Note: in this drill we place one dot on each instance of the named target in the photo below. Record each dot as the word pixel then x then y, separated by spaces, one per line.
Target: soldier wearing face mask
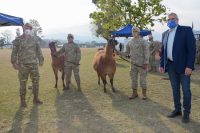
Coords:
pixel 138 49
pixel 25 57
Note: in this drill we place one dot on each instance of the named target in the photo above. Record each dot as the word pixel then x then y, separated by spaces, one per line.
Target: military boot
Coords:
pixel 154 69
pixel 66 87
pixel 134 94
pixel 23 101
pixel 79 86
pixel 144 92
pixel 36 100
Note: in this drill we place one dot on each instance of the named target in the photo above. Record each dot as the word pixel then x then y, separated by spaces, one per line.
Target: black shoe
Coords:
pixel 174 114
pixel 186 118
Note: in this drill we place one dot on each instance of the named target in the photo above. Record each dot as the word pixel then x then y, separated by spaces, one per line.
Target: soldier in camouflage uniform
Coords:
pixel 139 53
pixel 72 58
pixel 157 57
pixel 198 50
pixel 26 54
pixel 154 47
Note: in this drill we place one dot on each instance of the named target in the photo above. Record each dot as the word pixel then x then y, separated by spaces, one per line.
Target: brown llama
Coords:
pixel 57 63
pixel 104 63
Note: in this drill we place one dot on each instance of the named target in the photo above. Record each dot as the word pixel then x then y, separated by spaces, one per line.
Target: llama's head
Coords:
pixel 112 43
pixel 52 46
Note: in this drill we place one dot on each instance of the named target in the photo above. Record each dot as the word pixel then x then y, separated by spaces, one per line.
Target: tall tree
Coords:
pixel 18 33
pixel 113 14
pixel 2 42
pixel 107 18
pixel 7 34
pixel 37 29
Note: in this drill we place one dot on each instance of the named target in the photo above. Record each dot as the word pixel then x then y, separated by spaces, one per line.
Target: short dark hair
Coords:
pixel 70 35
pixel 172 13
pixel 28 25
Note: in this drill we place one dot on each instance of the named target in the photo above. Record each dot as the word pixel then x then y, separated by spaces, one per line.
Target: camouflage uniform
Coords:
pixel 198 51
pixel 154 47
pixel 139 51
pixel 27 53
pixel 72 58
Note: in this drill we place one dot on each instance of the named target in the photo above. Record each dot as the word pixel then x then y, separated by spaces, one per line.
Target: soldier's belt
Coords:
pixel 73 62
pixel 129 61
pixel 136 65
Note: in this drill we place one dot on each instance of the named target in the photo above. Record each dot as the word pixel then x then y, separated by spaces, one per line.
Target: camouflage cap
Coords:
pixel 135 29
pixel 28 25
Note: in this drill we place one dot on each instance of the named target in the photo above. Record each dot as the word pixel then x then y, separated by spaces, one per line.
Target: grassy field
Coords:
pixel 91 111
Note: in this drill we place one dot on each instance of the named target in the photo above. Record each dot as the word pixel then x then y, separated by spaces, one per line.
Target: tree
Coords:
pixel 143 13
pixel 107 18
pixel 113 14
pixel 7 34
pixel 18 33
pixel 37 29
pixel 2 42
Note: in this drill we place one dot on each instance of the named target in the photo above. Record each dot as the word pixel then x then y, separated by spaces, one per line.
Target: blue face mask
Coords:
pixel 171 24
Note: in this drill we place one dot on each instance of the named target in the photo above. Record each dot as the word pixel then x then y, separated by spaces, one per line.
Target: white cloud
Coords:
pixel 50 14
pixel 58 15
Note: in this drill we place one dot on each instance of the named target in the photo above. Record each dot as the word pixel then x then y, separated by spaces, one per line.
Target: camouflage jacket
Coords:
pixel 72 53
pixel 139 51
pixel 198 46
pixel 154 47
pixel 26 51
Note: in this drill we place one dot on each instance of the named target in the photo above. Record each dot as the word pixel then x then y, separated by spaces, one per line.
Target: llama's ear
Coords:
pixel 109 41
pixel 116 42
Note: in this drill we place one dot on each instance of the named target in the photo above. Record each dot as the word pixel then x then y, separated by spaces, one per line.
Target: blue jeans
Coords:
pixel 176 80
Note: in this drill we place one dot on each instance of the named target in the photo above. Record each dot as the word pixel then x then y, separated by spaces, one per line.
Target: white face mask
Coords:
pixel 28 32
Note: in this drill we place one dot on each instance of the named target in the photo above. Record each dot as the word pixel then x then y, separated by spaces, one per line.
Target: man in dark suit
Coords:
pixel 177 58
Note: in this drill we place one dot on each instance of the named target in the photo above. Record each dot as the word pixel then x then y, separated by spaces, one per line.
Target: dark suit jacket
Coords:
pixel 184 49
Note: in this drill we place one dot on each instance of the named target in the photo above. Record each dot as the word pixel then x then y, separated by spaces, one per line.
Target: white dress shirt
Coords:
pixel 170 43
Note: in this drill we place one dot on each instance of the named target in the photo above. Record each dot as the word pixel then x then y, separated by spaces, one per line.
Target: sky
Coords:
pixel 58 17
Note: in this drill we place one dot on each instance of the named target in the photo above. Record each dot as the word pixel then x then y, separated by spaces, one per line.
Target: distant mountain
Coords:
pixel 82 33
pixel 77 38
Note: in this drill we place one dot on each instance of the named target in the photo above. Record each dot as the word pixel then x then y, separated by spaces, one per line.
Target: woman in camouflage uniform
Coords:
pixel 139 54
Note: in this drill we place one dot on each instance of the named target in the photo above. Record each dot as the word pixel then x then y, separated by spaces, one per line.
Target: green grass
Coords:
pixel 92 110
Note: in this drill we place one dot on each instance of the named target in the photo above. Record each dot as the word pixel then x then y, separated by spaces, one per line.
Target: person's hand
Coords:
pixel 144 66
pixel 41 63
pixel 54 54
pixel 188 71
pixel 161 69
pixel 76 63
pixel 117 52
pixel 16 66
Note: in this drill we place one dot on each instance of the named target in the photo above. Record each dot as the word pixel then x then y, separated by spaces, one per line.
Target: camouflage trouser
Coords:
pixel 135 70
pixel 24 72
pixel 68 70
pixel 198 58
pixel 152 61
pixel 157 65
